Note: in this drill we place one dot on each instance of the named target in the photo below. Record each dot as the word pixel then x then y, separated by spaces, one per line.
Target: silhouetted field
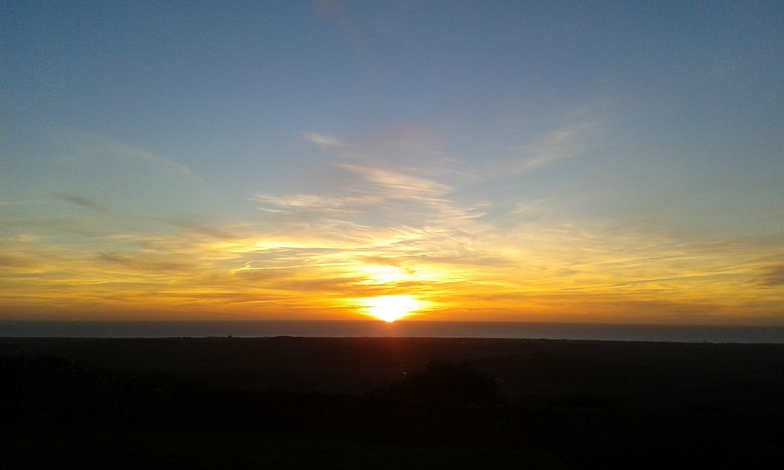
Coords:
pixel 389 403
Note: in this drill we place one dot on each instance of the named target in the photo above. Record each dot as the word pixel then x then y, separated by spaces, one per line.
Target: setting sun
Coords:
pixel 392 307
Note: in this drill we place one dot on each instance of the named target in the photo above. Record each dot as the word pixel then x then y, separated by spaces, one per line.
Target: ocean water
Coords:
pixel 570 331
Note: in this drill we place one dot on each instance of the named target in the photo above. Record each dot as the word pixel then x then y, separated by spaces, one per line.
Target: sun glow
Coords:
pixel 392 307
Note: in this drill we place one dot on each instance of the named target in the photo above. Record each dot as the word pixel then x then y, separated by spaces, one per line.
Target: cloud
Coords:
pixel 557 145
pixel 19 262
pixel 91 145
pixel 772 276
pixel 201 229
pixel 326 205
pixel 325 142
pixel 86 202
pixel 385 212
pixel 399 185
pixel 154 264
pixel 388 179
pixel 57 224
pixel 188 226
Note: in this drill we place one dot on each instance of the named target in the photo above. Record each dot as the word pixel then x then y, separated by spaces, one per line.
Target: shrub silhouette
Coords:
pixel 449 381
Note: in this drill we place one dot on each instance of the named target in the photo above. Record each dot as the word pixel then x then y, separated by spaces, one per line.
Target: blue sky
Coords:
pixel 560 161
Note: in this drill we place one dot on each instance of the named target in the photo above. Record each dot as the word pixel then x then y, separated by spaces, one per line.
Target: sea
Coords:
pixel 421 329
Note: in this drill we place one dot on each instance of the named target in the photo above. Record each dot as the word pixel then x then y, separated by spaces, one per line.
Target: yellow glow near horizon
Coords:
pixel 392 307
pixel 385 274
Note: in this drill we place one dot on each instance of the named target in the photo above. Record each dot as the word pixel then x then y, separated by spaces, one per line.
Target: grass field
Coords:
pixel 389 403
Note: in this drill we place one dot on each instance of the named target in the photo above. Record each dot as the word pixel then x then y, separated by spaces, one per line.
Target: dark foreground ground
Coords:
pixel 388 403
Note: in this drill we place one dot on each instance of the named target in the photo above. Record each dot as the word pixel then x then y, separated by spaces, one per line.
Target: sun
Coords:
pixel 392 307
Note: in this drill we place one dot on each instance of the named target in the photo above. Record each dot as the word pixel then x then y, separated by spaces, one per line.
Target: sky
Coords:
pixel 608 161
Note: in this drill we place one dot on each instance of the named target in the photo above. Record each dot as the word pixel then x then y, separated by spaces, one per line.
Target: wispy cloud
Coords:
pixel 89 145
pixel 771 276
pixel 399 185
pixel 322 204
pixel 148 263
pixel 198 228
pixel 385 180
pixel 557 145
pixel 85 202
pixel 325 142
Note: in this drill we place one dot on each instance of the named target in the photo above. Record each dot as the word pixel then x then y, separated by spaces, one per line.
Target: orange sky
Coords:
pixel 245 272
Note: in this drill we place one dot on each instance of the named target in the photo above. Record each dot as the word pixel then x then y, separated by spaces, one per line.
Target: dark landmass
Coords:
pixel 389 403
